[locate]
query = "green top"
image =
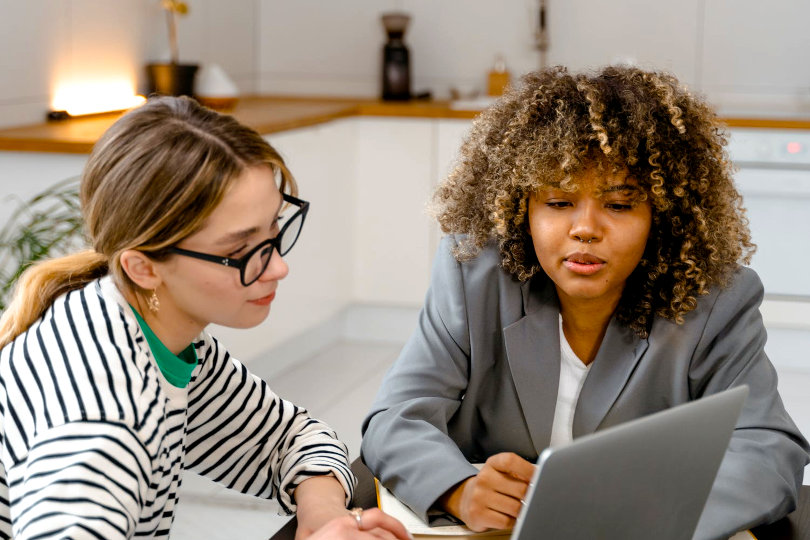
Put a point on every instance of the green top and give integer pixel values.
(176, 369)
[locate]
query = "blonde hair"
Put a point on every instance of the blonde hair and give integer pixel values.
(151, 180)
(555, 125)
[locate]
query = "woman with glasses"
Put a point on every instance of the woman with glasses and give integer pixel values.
(109, 385)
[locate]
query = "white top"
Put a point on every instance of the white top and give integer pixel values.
(93, 444)
(572, 376)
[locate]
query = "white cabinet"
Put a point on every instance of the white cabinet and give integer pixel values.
(393, 182)
(398, 165)
(451, 134)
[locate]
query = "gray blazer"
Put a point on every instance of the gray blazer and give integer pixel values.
(480, 376)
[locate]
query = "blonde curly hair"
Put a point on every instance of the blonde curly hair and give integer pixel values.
(552, 127)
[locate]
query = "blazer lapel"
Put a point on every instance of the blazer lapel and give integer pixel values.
(533, 352)
(614, 363)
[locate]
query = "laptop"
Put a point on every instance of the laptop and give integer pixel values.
(647, 478)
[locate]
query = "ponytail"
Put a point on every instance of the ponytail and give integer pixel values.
(42, 283)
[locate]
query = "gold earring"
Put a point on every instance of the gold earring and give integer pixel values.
(153, 302)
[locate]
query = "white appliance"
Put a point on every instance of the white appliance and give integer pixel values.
(773, 176)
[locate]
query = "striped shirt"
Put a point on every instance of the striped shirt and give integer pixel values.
(93, 439)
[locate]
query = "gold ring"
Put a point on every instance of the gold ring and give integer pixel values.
(358, 516)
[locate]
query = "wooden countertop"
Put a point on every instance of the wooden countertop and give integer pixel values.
(271, 114)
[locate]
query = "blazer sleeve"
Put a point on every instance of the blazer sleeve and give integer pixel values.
(405, 435)
(244, 436)
(762, 470)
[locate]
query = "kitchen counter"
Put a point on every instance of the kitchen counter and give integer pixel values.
(271, 114)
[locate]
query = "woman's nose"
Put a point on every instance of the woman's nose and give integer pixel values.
(276, 269)
(585, 226)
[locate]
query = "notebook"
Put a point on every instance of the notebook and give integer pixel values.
(646, 478)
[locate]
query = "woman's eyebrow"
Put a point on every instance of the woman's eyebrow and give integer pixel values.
(235, 236)
(620, 187)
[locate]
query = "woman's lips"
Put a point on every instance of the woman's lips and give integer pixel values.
(583, 264)
(265, 300)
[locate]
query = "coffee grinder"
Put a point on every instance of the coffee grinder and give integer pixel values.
(396, 68)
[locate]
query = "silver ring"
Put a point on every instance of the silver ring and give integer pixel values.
(358, 516)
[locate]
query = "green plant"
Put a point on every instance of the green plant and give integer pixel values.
(49, 224)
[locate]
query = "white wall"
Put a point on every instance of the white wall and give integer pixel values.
(48, 42)
(33, 31)
(755, 54)
(214, 31)
(25, 174)
(747, 55)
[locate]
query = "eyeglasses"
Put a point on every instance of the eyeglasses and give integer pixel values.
(253, 263)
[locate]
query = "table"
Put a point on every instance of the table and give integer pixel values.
(795, 526)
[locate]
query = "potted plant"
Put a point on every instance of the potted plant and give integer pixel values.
(174, 78)
(50, 224)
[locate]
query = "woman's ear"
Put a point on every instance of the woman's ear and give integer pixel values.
(140, 269)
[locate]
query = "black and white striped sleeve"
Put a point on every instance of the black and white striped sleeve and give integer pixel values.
(244, 436)
(81, 480)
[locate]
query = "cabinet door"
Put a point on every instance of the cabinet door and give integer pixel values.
(450, 135)
(393, 183)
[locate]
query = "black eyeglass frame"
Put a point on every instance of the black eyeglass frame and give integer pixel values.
(275, 242)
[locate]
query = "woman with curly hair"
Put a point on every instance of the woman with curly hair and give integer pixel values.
(591, 275)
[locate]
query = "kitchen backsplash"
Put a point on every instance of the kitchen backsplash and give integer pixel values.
(744, 54)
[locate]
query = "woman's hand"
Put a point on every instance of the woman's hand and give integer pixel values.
(372, 524)
(491, 499)
(322, 515)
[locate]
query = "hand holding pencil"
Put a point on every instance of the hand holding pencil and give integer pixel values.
(491, 499)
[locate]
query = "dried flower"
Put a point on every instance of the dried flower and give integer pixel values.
(173, 8)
